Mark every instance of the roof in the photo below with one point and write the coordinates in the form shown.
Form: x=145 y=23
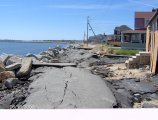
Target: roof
x=146 y=15
x=134 y=31
x=123 y=28
x=154 y=15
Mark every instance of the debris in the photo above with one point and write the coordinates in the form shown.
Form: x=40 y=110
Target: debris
x=55 y=64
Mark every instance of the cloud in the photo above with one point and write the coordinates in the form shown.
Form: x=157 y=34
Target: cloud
x=88 y=7
x=142 y=3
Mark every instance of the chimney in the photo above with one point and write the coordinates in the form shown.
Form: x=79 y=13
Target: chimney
x=154 y=10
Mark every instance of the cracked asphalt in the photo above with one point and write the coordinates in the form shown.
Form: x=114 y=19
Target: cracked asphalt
x=69 y=87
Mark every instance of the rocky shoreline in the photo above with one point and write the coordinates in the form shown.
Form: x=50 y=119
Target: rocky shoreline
x=130 y=88
x=15 y=74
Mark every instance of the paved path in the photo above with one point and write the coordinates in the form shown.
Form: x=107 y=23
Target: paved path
x=69 y=88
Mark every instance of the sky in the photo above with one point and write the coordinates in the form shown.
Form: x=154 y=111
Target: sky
x=66 y=19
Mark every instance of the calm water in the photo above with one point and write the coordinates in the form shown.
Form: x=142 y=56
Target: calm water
x=24 y=48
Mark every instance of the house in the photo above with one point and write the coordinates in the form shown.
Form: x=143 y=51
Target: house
x=152 y=42
x=136 y=39
x=150 y=56
x=97 y=39
x=110 y=38
x=118 y=31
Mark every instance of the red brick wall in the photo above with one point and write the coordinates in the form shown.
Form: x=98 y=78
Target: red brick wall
x=140 y=24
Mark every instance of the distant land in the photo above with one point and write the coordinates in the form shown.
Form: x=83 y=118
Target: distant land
x=42 y=41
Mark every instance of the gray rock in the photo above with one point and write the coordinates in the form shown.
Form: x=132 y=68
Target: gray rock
x=56 y=52
x=13 y=59
x=58 y=47
x=46 y=57
x=45 y=60
x=155 y=96
x=137 y=98
x=4 y=58
x=149 y=105
x=13 y=66
x=25 y=67
x=32 y=55
x=43 y=53
x=51 y=53
x=10 y=83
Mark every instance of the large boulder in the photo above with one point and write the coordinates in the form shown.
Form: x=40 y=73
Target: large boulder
x=25 y=67
x=13 y=59
x=2 y=68
x=4 y=58
x=51 y=53
x=6 y=74
x=32 y=55
x=13 y=66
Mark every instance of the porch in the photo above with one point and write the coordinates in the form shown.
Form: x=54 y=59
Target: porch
x=133 y=36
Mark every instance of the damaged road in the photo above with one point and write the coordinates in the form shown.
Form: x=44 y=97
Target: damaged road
x=68 y=88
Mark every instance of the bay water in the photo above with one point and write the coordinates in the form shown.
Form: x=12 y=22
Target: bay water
x=22 y=48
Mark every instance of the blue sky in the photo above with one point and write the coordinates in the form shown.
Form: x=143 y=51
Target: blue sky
x=65 y=19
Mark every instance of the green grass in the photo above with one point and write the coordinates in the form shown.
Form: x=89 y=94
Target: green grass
x=119 y=51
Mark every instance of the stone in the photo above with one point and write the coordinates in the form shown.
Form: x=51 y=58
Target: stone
x=13 y=59
x=6 y=74
x=2 y=68
x=154 y=95
x=51 y=53
x=149 y=105
x=46 y=57
x=43 y=53
x=45 y=60
x=137 y=98
x=56 y=52
x=4 y=58
x=32 y=55
x=25 y=67
x=10 y=83
x=13 y=66
x=58 y=47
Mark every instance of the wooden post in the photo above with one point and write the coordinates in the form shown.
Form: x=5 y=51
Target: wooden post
x=147 y=39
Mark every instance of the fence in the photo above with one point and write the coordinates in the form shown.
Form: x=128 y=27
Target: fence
x=152 y=47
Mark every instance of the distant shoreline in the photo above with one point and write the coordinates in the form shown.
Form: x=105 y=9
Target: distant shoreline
x=42 y=41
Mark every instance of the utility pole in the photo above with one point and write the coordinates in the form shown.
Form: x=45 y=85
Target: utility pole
x=87 y=29
x=84 y=37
